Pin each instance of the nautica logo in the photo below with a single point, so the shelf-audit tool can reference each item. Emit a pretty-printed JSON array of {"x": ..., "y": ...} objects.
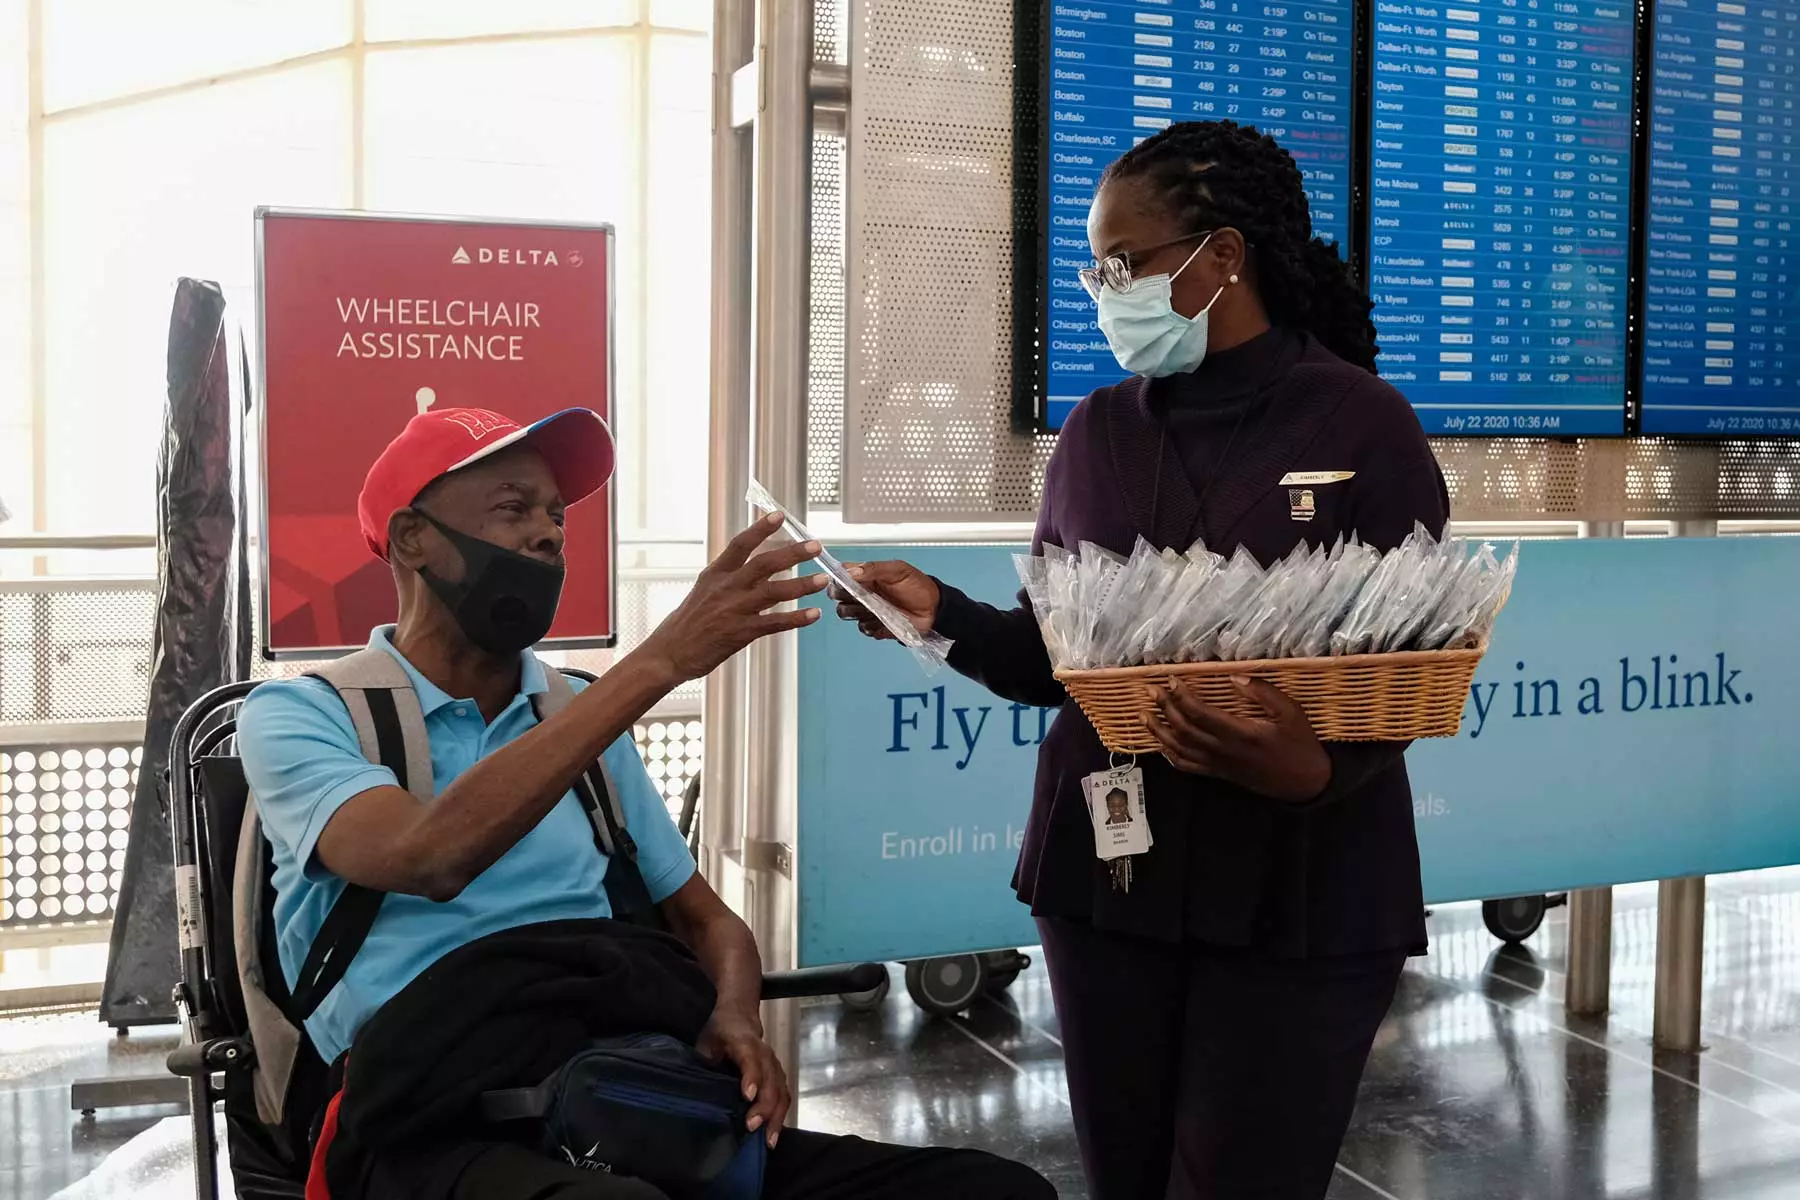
[{"x": 587, "y": 1162}]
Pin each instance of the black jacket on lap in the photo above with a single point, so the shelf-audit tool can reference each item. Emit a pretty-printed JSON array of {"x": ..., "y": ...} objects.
[{"x": 501, "y": 1012}]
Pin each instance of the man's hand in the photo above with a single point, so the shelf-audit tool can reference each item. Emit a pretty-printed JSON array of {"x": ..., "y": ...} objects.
[
  {"x": 723, "y": 944},
  {"x": 1277, "y": 755},
  {"x": 903, "y": 585},
  {"x": 729, "y": 605},
  {"x": 739, "y": 1040}
]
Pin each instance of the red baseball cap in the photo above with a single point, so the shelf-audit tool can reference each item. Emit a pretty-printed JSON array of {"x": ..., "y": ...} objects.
[{"x": 575, "y": 442}]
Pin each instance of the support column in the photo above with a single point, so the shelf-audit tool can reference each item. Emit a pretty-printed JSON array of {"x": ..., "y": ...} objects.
[
  {"x": 722, "y": 782},
  {"x": 1681, "y": 927},
  {"x": 780, "y": 274},
  {"x": 1680, "y": 949},
  {"x": 1589, "y": 990}
]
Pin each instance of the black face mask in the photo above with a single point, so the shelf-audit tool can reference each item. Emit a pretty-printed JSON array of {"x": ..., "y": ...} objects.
[{"x": 505, "y": 602}]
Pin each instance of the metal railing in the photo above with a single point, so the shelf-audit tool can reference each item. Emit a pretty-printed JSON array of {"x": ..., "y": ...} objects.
[
  {"x": 44, "y": 542},
  {"x": 75, "y": 662},
  {"x": 75, "y": 652}
]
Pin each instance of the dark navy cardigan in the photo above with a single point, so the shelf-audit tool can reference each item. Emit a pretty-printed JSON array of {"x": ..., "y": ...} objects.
[{"x": 1203, "y": 455}]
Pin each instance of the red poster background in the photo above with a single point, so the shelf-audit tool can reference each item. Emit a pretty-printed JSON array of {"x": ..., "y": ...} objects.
[{"x": 328, "y": 412}]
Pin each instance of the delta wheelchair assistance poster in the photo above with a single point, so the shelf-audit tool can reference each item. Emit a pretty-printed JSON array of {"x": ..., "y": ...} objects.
[{"x": 1633, "y": 720}]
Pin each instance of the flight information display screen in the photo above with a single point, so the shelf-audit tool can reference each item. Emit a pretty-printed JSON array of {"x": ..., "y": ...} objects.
[
  {"x": 1500, "y": 211},
  {"x": 1116, "y": 73},
  {"x": 1721, "y": 289}
]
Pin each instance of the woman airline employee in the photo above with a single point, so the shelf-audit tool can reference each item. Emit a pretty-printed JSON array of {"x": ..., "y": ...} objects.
[{"x": 1218, "y": 1011}]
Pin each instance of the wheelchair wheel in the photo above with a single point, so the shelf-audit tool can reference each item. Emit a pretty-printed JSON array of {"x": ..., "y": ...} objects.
[
  {"x": 944, "y": 986},
  {"x": 870, "y": 1000},
  {"x": 1003, "y": 969},
  {"x": 1514, "y": 919}
]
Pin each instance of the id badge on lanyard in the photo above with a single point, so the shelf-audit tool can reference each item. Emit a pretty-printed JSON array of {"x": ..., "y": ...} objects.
[{"x": 1115, "y": 800}]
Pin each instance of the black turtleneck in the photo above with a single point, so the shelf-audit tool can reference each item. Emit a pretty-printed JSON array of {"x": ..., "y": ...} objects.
[
  {"x": 1209, "y": 455},
  {"x": 1216, "y": 410},
  {"x": 1226, "y": 380}
]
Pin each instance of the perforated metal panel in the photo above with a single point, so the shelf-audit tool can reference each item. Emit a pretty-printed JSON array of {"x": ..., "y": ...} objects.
[
  {"x": 643, "y": 603},
  {"x": 932, "y": 194},
  {"x": 74, "y": 650},
  {"x": 928, "y": 383},
  {"x": 825, "y": 330},
  {"x": 1758, "y": 479},
  {"x": 65, "y": 813},
  {"x": 1636, "y": 479},
  {"x": 1518, "y": 479},
  {"x": 672, "y": 751},
  {"x": 831, "y": 27}
]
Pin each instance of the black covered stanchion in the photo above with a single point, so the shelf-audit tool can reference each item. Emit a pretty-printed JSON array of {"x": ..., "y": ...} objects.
[{"x": 201, "y": 637}]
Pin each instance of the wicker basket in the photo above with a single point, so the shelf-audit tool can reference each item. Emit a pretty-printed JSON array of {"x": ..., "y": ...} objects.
[{"x": 1357, "y": 698}]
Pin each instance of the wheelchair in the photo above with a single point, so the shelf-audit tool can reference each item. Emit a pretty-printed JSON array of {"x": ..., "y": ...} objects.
[
  {"x": 941, "y": 987},
  {"x": 207, "y": 796}
]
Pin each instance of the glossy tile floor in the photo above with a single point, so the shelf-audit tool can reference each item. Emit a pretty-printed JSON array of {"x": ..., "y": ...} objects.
[{"x": 1480, "y": 1087}]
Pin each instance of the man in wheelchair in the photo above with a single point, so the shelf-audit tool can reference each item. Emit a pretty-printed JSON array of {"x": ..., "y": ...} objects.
[{"x": 467, "y": 851}]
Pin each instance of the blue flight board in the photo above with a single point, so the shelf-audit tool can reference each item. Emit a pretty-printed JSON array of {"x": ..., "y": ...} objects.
[
  {"x": 1500, "y": 211},
  {"x": 1116, "y": 73},
  {"x": 1722, "y": 292}
]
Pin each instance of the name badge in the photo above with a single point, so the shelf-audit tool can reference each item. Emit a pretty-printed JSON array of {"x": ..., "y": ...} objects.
[
  {"x": 1303, "y": 505},
  {"x": 1315, "y": 478},
  {"x": 1116, "y": 807}
]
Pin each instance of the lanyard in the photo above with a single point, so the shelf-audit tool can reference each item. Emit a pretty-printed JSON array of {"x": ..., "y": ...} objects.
[{"x": 1212, "y": 476}]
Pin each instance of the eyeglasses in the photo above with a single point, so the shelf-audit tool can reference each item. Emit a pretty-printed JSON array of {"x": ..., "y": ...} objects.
[{"x": 1114, "y": 271}]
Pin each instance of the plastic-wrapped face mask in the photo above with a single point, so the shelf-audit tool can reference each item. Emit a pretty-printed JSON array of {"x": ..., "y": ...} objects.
[
  {"x": 1161, "y": 608},
  {"x": 931, "y": 649}
]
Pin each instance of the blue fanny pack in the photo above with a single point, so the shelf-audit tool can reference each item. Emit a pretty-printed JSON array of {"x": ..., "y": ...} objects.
[{"x": 646, "y": 1107}]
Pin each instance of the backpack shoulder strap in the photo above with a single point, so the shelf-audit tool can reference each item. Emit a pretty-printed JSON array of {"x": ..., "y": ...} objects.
[
  {"x": 390, "y": 725},
  {"x": 557, "y": 695},
  {"x": 598, "y": 793},
  {"x": 384, "y": 708},
  {"x": 275, "y": 1036},
  {"x": 626, "y": 891}
]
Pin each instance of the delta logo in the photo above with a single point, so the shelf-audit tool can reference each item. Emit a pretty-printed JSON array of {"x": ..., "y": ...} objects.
[{"x": 512, "y": 256}]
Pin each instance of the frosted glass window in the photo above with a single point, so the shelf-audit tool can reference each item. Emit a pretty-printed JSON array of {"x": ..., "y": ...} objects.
[
  {"x": 514, "y": 129},
  {"x": 391, "y": 20},
  {"x": 551, "y": 134},
  {"x": 15, "y": 260},
  {"x": 679, "y": 240},
  {"x": 138, "y": 197},
  {"x": 464, "y": 112},
  {"x": 682, "y": 14},
  {"x": 101, "y": 49}
]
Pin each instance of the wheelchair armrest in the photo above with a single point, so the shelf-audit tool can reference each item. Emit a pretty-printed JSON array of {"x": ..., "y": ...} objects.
[
  {"x": 215, "y": 1054},
  {"x": 822, "y": 981}
]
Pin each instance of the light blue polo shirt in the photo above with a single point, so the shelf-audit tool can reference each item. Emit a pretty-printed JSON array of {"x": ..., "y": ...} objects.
[{"x": 303, "y": 762}]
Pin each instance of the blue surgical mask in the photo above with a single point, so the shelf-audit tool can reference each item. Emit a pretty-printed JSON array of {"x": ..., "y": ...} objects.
[{"x": 1147, "y": 335}]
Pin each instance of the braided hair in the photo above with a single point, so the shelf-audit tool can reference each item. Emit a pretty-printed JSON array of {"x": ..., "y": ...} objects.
[{"x": 1212, "y": 174}]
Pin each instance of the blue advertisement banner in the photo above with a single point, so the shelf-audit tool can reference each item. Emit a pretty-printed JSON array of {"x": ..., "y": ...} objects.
[{"x": 1633, "y": 720}]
